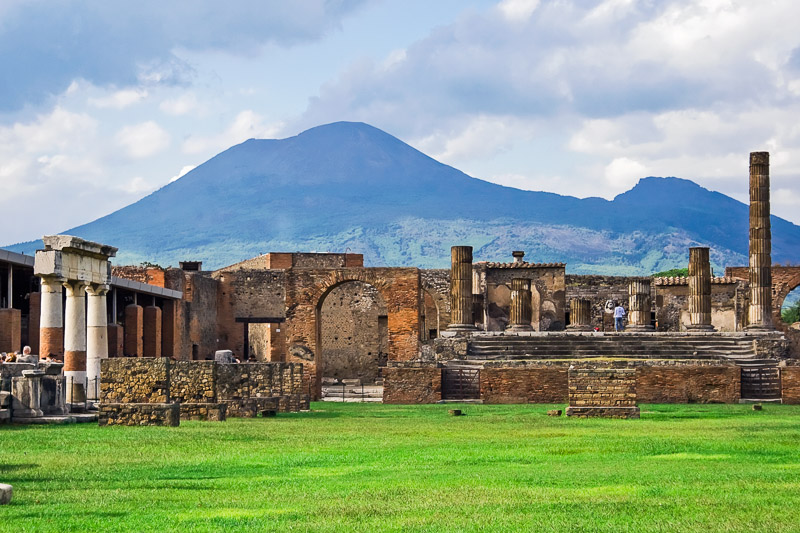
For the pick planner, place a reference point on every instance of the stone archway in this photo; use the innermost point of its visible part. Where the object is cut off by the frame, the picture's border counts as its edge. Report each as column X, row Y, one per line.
column 784, row 281
column 352, row 332
column 305, row 293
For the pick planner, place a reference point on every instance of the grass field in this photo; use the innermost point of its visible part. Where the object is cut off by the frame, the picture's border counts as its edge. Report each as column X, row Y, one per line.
column 363, row 467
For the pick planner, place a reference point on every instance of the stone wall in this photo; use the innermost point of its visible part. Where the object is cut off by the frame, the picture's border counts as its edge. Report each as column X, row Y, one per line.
column 436, row 287
column 694, row 383
column 195, row 317
column 149, row 275
column 138, row 414
column 193, row 381
column 546, row 384
column 353, row 332
column 672, row 304
column 607, row 391
column 412, row 385
column 136, row 380
column 547, row 294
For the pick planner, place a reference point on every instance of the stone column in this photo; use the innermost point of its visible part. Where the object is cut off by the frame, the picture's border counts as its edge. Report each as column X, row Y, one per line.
column 461, row 289
column 51, row 323
column 699, row 290
column 152, row 331
column 760, row 310
column 580, row 314
column 96, row 335
column 27, row 396
column 75, row 341
column 639, row 302
column 134, row 331
column 520, row 319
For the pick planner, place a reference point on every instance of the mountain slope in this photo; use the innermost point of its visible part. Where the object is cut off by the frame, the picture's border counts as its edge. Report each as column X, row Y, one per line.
column 350, row 185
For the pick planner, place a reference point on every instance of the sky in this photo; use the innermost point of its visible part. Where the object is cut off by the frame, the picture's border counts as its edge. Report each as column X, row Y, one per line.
column 101, row 103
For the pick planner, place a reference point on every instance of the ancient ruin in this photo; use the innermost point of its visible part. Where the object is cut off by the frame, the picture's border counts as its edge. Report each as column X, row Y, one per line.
column 496, row 332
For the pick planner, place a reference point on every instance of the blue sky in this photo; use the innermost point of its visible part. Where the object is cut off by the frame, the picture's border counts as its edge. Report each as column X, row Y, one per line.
column 103, row 102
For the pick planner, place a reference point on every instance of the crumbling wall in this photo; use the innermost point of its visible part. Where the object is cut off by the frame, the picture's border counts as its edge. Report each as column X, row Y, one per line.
column 409, row 384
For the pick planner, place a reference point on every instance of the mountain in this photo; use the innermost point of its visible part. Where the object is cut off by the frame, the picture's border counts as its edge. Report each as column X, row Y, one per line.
column 351, row 187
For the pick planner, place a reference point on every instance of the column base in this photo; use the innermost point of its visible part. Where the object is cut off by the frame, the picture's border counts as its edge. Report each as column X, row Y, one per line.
column 462, row 327
column 760, row 328
column 641, row 328
column 700, row 328
column 75, row 381
column 580, row 327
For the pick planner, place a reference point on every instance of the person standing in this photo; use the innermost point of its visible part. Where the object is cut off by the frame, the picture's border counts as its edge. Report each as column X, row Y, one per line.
column 619, row 317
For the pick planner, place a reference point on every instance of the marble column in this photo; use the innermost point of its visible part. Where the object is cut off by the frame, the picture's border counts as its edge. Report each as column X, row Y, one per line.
column 580, row 314
column 461, row 289
column 75, row 341
column 760, row 310
column 96, row 335
column 51, row 323
column 639, row 305
column 520, row 316
column 699, row 290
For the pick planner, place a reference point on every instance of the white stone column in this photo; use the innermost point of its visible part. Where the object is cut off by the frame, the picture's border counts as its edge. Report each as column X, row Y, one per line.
column 75, row 341
column 96, row 335
column 51, row 323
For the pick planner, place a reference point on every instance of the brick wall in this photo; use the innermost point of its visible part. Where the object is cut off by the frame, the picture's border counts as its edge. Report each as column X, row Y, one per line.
column 524, row 385
column 10, row 330
column 790, row 384
column 602, row 386
column 688, row 383
column 412, row 385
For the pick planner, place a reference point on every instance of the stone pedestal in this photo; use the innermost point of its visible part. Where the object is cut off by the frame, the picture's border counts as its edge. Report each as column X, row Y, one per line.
column 27, row 394
column 51, row 322
column 639, row 306
column 760, row 310
column 96, row 336
column 520, row 319
column 580, row 315
column 461, row 289
column 75, row 341
column 699, row 290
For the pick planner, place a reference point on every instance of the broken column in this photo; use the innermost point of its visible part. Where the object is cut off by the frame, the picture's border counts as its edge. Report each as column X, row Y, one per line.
column 699, row 290
column 96, row 335
column 639, row 305
column 27, row 394
column 520, row 316
column 760, row 311
column 51, row 324
column 461, row 289
column 580, row 314
column 75, row 341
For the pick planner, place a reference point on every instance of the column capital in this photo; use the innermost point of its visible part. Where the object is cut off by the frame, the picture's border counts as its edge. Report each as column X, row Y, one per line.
column 51, row 280
column 98, row 289
column 75, row 287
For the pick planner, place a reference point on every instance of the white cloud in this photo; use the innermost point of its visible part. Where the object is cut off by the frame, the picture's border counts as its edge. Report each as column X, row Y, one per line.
column 143, row 140
column 623, row 173
column 119, row 99
column 518, row 10
column 137, row 186
column 183, row 104
column 246, row 125
column 184, row 170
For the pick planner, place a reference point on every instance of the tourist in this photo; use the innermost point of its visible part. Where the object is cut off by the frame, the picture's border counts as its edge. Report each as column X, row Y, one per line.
column 619, row 317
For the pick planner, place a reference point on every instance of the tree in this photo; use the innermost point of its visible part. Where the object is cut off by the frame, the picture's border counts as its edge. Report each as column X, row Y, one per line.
column 791, row 314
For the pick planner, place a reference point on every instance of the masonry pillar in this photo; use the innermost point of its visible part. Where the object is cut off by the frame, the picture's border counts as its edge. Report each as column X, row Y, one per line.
column 96, row 335
column 520, row 319
column 115, row 341
column 580, row 314
column 10, row 330
column 75, row 341
column 134, row 331
column 152, row 331
column 169, row 334
column 34, row 312
column 51, row 323
column 699, row 290
column 760, row 310
column 461, row 289
column 639, row 302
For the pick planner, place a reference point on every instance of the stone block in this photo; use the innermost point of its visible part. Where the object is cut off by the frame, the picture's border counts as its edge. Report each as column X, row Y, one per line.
column 603, row 412
column 212, row 412
column 6, row 492
column 139, row 414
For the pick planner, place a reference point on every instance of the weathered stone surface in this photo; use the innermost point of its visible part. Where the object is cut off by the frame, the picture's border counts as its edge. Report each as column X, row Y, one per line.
column 212, row 412
column 760, row 312
column 603, row 412
column 461, row 288
column 688, row 383
column 135, row 380
column 224, row 356
column 554, row 412
column 790, row 385
column 408, row 385
column 546, row 384
column 639, row 305
column 139, row 414
column 700, row 290
column 6, row 493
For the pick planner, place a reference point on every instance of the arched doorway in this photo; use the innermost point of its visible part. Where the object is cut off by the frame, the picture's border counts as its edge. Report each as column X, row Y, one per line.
column 353, row 332
column 790, row 307
column 431, row 320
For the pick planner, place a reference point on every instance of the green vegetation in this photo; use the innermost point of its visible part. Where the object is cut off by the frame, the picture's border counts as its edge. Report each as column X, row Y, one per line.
column 672, row 273
column 369, row 467
column 791, row 314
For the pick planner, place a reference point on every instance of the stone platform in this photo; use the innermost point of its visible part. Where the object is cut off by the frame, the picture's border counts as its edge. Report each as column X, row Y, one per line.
column 57, row 419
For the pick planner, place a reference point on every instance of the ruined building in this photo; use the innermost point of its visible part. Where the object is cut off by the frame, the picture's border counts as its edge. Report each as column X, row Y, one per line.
column 491, row 331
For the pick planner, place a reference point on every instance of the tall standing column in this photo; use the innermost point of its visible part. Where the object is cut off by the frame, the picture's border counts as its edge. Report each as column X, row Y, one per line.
column 75, row 341
column 760, row 311
column 580, row 314
column 520, row 315
column 639, row 302
column 699, row 290
column 51, row 323
column 96, row 335
column 461, row 289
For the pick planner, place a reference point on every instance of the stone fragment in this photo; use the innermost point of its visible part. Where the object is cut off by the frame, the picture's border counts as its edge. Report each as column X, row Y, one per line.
column 554, row 412
column 6, row 492
column 455, row 412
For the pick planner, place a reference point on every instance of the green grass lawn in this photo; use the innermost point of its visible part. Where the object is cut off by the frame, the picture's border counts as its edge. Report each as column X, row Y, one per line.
column 369, row 467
